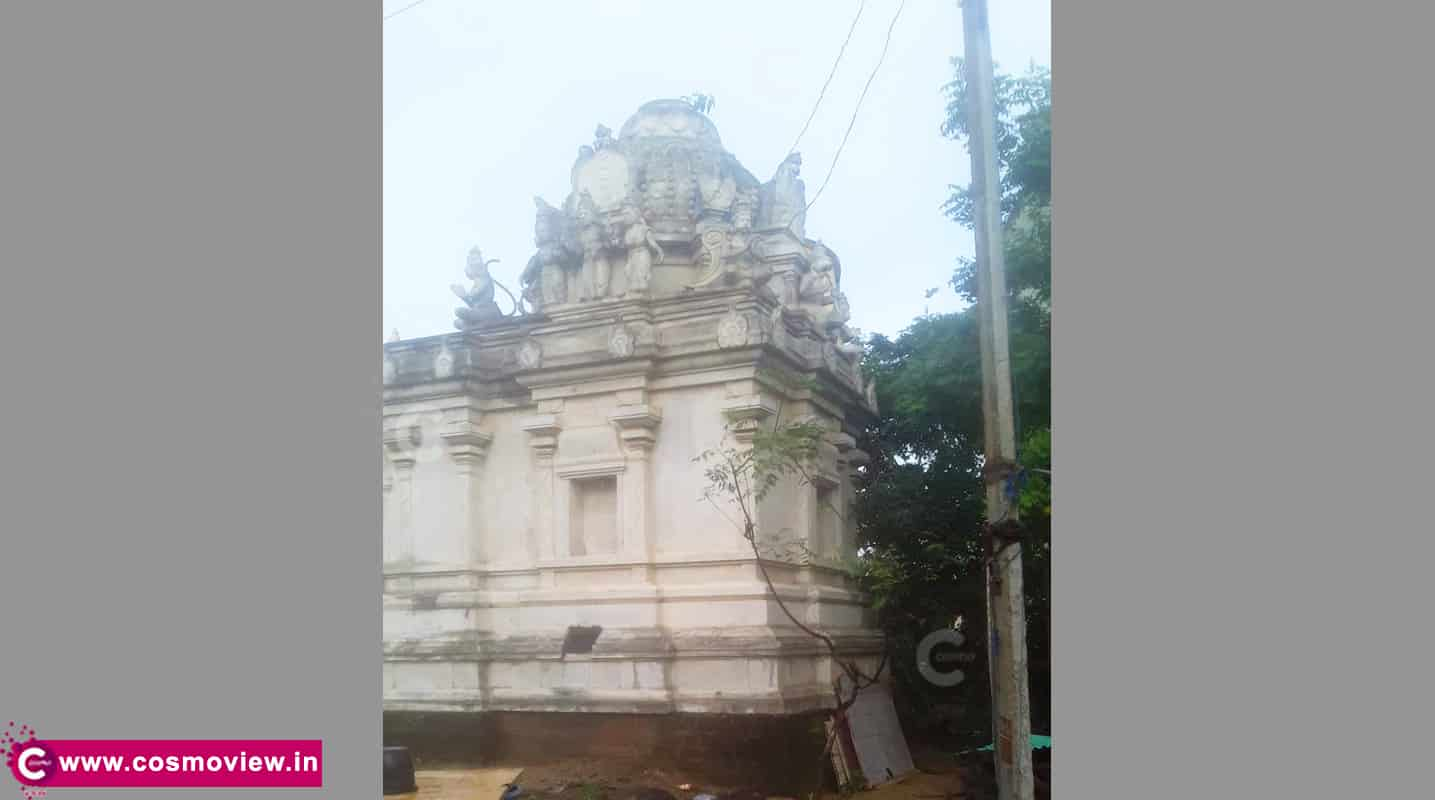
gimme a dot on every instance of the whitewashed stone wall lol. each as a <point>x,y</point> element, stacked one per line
<point>538,475</point>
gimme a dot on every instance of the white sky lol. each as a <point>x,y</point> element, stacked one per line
<point>486,104</point>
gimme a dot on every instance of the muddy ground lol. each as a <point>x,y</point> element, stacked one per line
<point>939,777</point>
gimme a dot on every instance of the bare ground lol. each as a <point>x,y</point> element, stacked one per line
<point>939,777</point>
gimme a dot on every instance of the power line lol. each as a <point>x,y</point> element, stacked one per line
<point>828,82</point>
<point>858,109</point>
<point>388,17</point>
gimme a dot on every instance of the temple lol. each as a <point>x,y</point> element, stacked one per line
<point>551,546</point>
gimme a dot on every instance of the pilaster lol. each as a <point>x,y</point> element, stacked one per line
<point>543,430</point>
<point>401,439</point>
<point>637,430</point>
<point>467,446</point>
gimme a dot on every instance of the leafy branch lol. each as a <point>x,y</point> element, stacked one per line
<point>745,476</point>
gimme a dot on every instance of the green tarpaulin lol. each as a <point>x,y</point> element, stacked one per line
<point>1037,743</point>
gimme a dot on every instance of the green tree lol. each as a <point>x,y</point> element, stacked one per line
<point>921,500</point>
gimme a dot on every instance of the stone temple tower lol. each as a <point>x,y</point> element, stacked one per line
<point>548,550</point>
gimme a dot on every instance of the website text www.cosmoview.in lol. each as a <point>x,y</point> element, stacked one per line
<point>166,763</point>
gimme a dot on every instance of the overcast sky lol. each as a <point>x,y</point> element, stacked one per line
<point>486,104</point>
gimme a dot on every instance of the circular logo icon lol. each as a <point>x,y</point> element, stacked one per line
<point>928,670</point>
<point>34,763</point>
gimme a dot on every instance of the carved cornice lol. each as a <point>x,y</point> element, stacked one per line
<point>782,250</point>
<point>400,440</point>
<point>466,444</point>
<point>637,425</point>
<point>826,476</point>
<point>746,415</point>
<point>634,643</point>
<point>586,377</point>
<point>433,358</point>
<point>589,468</point>
<point>857,458</point>
<point>832,463</point>
<point>543,433</point>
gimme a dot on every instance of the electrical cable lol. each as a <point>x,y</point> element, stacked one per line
<point>828,82</point>
<point>388,17</point>
<point>885,45</point>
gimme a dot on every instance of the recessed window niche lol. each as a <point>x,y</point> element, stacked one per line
<point>594,528</point>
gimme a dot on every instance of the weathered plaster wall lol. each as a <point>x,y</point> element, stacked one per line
<point>539,470</point>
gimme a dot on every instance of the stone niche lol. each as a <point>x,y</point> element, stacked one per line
<point>538,463</point>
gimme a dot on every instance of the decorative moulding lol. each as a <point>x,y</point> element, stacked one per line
<point>579,468</point>
<point>529,354</point>
<point>637,425</point>
<point>746,413</point>
<point>733,329</point>
<point>541,424</point>
<point>622,342</point>
<point>465,442</point>
<point>401,440</point>
<point>581,379</point>
<point>443,364</point>
<point>543,433</point>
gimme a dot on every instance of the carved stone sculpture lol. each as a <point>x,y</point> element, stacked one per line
<point>744,208</point>
<point>818,290</point>
<point>849,344</point>
<point>721,248</point>
<point>642,244</point>
<point>529,354</point>
<point>713,247</point>
<point>621,342</point>
<point>670,186</point>
<point>479,306</point>
<point>821,256</point>
<point>595,238</point>
<point>784,198</point>
<point>665,191</point>
<point>717,190</point>
<point>602,137</point>
<point>838,315</point>
<point>818,286</point>
<point>443,364</point>
<point>733,329</point>
<point>545,279</point>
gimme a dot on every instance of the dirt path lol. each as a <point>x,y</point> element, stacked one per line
<point>610,779</point>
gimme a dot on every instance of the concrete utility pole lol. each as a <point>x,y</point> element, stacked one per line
<point>1006,607</point>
